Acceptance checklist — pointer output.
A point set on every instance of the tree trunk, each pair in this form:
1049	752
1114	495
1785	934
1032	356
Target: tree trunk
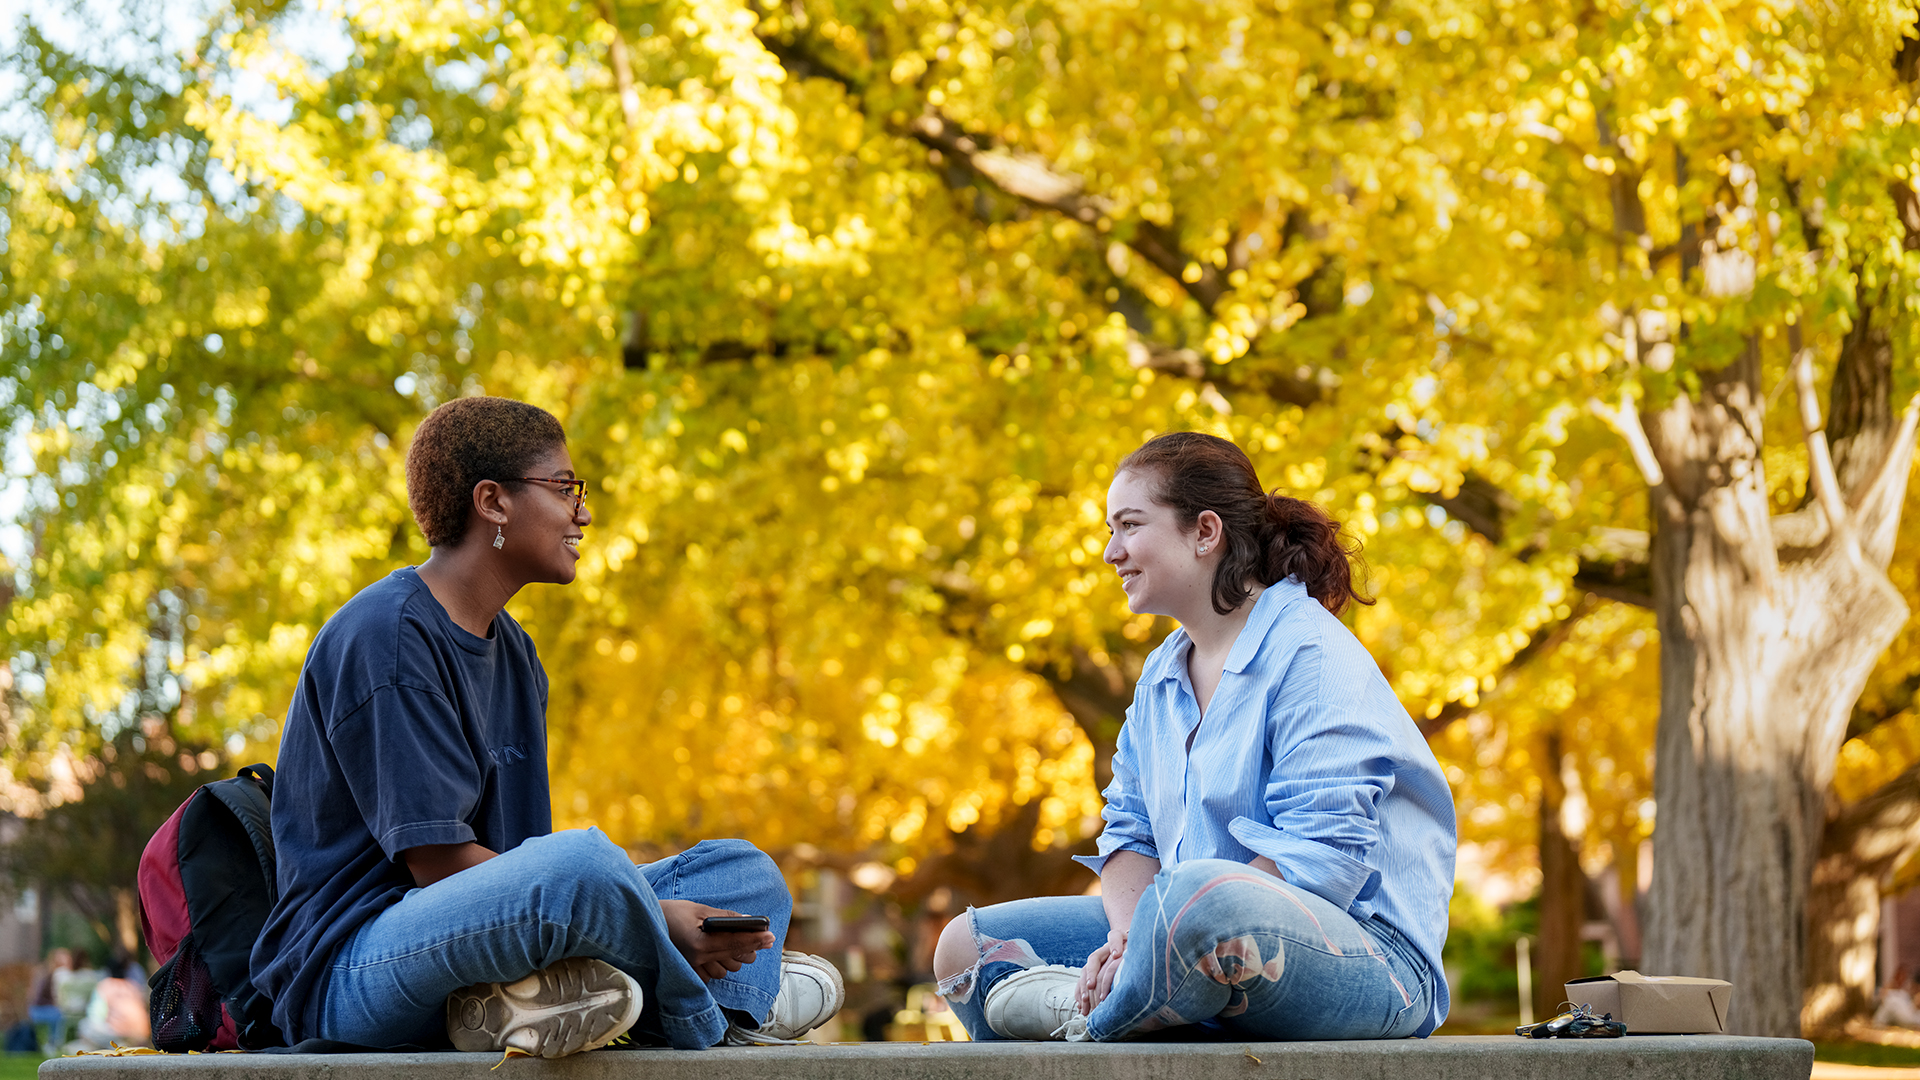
1097	695
1763	651
1623	908
991	865
126	920
1863	844
1563	892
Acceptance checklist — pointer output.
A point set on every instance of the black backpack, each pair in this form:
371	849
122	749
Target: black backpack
206	886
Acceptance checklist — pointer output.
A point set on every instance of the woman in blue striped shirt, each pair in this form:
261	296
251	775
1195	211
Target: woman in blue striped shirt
1279	842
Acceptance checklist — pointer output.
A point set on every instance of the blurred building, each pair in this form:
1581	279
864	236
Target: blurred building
1899	935
22	932
20	911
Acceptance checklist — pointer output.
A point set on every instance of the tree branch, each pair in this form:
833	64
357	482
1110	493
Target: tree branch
1615	566
1877	502
1860	398
1894	703
1097	696
1825	484
1480	505
1893	468
1872	450
1624	419
622	64
1812	219
1612	566
1882	828
1299	388
1906	203
1036	182
1033	180
1027	177
1030	178
622	70
1543	640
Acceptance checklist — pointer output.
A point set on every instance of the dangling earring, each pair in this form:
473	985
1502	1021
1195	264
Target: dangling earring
499	538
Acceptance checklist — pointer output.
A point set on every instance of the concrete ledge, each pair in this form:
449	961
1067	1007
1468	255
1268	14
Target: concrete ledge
1461	1057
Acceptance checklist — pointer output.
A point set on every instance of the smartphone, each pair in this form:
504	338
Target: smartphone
734	924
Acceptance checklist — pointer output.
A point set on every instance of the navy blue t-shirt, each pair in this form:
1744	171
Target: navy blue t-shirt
404	730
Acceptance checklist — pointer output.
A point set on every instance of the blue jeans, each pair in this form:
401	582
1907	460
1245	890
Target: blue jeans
570	894
1213	943
56	1022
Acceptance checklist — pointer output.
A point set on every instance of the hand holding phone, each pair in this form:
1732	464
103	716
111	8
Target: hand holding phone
734	924
715	940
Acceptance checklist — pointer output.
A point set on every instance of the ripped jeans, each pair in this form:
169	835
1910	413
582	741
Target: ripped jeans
1216	943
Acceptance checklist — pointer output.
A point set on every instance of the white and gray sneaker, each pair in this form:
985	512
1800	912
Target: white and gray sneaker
1036	1003
577	1004
811	993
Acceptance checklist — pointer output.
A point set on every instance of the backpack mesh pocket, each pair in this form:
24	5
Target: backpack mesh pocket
186	1009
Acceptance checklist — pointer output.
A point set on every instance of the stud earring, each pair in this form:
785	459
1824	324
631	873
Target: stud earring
499	538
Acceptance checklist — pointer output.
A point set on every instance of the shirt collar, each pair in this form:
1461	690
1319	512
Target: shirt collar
1171	659
1266	611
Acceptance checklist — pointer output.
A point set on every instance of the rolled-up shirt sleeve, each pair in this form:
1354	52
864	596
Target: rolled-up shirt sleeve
1332	768
412	772
1128	827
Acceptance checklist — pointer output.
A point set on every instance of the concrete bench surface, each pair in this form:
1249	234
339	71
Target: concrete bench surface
1459	1057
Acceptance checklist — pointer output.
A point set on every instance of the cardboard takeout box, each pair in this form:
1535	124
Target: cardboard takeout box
1657	1004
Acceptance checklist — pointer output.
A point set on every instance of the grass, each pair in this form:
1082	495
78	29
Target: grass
1480	1018
1490	1018
19	1066
1855	1053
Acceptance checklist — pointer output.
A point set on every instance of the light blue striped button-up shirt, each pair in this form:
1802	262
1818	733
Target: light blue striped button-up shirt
1306	757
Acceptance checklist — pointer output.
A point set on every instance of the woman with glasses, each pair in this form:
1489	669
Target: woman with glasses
422	892
1279	842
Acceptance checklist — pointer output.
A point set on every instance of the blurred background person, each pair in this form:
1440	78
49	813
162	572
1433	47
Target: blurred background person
43	1005
1896	1008
116	1015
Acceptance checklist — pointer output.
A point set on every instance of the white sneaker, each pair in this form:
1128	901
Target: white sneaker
811	993
577	1004
1037	1003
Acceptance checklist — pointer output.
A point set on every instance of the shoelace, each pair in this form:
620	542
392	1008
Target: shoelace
739	1036
743	1036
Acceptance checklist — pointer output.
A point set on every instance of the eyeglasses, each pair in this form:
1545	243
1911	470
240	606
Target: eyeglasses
574	487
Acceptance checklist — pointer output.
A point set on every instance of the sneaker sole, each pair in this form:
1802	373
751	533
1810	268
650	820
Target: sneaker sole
575	1005
995	1007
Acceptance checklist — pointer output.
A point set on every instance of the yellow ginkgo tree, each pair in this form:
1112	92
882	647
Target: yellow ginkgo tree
851	306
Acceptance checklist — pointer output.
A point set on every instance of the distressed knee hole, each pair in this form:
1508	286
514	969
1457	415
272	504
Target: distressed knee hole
952	966
958	986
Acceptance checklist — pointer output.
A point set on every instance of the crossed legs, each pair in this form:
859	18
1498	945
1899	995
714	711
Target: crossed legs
1211	941
570	894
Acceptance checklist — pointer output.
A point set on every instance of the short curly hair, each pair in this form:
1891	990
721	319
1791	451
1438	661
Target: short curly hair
463	442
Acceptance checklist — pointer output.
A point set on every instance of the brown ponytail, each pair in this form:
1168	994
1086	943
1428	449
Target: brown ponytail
1268	537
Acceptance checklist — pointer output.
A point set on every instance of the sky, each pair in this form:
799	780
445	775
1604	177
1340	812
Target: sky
127	33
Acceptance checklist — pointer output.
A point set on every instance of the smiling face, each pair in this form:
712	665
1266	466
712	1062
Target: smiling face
543	529
1161	566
